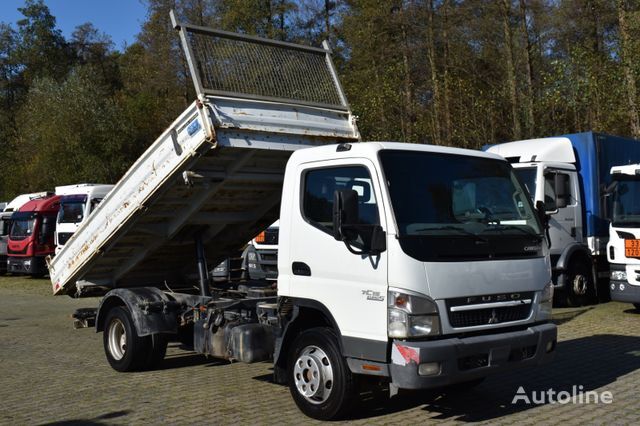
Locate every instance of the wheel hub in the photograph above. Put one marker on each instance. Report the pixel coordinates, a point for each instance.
(313, 374)
(117, 339)
(580, 285)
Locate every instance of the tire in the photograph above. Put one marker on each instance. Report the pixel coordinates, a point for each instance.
(320, 381)
(125, 350)
(580, 284)
(637, 306)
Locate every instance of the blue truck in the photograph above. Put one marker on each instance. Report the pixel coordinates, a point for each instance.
(570, 174)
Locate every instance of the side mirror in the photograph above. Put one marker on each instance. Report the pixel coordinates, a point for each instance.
(45, 230)
(345, 214)
(347, 227)
(542, 214)
(561, 183)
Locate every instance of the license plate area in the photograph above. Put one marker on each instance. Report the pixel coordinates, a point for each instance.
(632, 248)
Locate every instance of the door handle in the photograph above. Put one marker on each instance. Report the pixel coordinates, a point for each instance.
(301, 268)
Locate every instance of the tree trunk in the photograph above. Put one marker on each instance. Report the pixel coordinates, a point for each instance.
(511, 78)
(407, 82)
(530, 123)
(445, 75)
(435, 81)
(629, 77)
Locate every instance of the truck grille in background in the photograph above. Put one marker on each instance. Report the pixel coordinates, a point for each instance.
(63, 237)
(493, 315)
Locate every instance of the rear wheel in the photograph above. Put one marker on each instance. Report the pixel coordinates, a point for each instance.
(580, 284)
(320, 381)
(125, 350)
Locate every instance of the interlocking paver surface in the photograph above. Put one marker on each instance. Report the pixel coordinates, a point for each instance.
(50, 373)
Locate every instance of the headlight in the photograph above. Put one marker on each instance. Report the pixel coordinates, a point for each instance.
(412, 316)
(547, 293)
(618, 275)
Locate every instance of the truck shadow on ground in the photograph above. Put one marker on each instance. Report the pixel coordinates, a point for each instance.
(569, 315)
(103, 419)
(593, 362)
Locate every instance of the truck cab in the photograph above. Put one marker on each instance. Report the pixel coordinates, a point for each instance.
(567, 175)
(31, 238)
(5, 223)
(77, 202)
(623, 249)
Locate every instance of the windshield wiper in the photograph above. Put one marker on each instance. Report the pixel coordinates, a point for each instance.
(454, 228)
(504, 227)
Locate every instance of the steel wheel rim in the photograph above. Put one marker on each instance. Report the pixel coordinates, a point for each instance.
(313, 375)
(580, 285)
(117, 339)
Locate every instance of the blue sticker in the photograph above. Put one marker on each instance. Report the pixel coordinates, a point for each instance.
(193, 128)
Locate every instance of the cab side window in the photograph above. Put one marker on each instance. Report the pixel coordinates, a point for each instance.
(319, 186)
(549, 192)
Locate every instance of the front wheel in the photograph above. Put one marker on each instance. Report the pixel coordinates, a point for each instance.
(320, 381)
(579, 284)
(125, 350)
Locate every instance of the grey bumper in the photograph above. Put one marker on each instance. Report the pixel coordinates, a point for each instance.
(622, 291)
(26, 265)
(464, 359)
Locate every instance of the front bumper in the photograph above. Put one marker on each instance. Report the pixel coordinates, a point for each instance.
(622, 291)
(26, 265)
(468, 358)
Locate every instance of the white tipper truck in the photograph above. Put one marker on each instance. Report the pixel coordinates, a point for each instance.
(623, 248)
(77, 202)
(390, 262)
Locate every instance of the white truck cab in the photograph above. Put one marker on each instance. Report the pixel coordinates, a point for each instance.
(623, 249)
(567, 175)
(76, 204)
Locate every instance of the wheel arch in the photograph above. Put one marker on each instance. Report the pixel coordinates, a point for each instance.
(146, 322)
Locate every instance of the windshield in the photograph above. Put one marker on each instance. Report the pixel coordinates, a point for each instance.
(22, 225)
(72, 209)
(445, 194)
(527, 176)
(626, 202)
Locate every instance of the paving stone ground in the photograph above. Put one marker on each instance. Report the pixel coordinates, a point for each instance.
(50, 373)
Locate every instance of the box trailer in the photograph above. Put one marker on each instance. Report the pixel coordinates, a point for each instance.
(385, 266)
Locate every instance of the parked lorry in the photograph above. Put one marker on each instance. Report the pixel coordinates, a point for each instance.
(31, 238)
(569, 175)
(77, 202)
(390, 264)
(5, 223)
(257, 262)
(623, 249)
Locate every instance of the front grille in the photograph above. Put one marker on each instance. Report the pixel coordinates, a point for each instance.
(271, 257)
(487, 316)
(63, 237)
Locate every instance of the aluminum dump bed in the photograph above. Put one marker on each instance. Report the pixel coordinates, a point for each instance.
(216, 172)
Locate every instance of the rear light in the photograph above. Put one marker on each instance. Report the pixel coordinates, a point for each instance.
(261, 238)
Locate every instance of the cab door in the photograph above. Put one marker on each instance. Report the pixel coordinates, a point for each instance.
(561, 203)
(352, 287)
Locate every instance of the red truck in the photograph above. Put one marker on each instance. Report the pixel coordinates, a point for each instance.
(31, 236)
